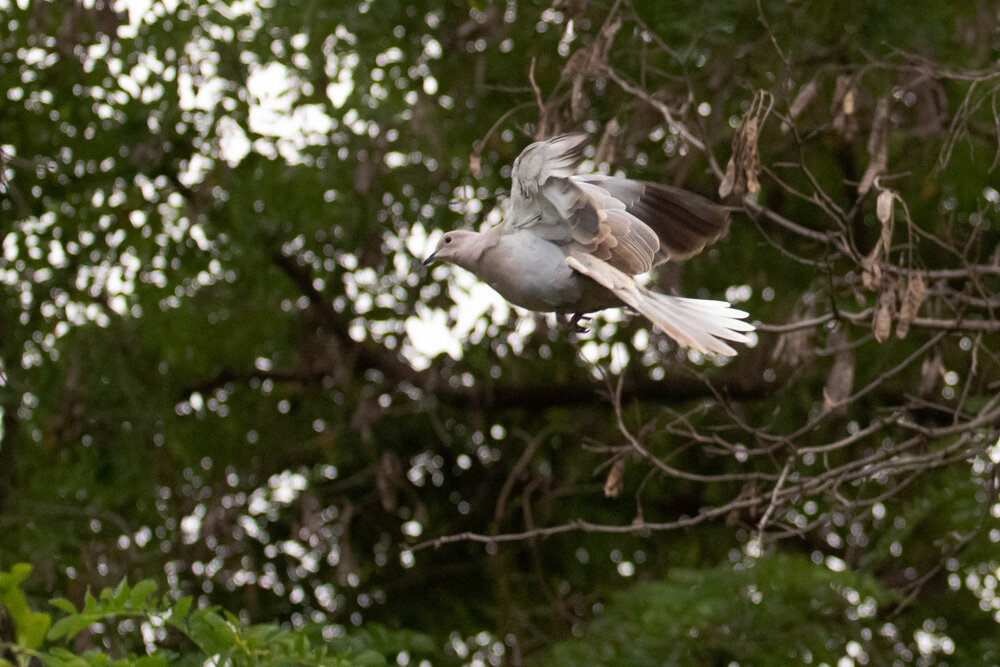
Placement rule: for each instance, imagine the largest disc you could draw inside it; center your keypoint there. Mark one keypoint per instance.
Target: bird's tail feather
(700, 324)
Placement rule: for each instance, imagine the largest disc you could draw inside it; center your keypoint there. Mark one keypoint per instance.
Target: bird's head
(455, 247)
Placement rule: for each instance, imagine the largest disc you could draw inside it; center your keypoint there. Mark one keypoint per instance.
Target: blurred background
(222, 367)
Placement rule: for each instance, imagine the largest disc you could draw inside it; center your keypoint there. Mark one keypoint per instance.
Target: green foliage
(728, 614)
(208, 633)
(31, 626)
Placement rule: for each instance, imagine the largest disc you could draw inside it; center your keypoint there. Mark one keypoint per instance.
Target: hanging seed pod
(912, 298)
(931, 371)
(840, 381)
(843, 107)
(802, 100)
(885, 206)
(615, 482)
(885, 237)
(878, 147)
(885, 307)
(743, 168)
(871, 269)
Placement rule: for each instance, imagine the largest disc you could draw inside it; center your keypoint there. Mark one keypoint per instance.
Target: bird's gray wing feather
(683, 221)
(560, 207)
(632, 225)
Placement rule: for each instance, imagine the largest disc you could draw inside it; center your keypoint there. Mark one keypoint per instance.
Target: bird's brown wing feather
(631, 225)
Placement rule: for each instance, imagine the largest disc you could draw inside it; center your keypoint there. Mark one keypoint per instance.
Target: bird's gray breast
(531, 272)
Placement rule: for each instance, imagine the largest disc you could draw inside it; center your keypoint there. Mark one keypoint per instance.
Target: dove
(573, 243)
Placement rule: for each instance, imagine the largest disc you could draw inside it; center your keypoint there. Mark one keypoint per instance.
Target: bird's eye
(447, 239)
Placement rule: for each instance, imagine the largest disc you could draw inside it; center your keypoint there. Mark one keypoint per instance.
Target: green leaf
(13, 578)
(60, 657)
(31, 626)
(120, 591)
(141, 591)
(69, 627)
(89, 602)
(31, 629)
(209, 631)
(369, 658)
(62, 604)
(180, 609)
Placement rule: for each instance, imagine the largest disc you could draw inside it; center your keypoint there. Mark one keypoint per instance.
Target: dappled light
(234, 398)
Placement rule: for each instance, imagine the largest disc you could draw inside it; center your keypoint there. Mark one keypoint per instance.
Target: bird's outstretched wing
(632, 225)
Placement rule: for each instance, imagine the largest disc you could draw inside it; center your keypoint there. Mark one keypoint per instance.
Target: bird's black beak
(430, 258)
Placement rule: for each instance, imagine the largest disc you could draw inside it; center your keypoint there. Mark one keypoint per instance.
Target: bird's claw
(573, 322)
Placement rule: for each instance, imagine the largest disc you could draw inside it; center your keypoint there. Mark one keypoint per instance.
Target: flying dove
(571, 244)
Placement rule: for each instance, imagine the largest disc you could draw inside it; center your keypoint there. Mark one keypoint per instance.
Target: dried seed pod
(878, 147)
(751, 157)
(885, 206)
(880, 126)
(840, 381)
(743, 168)
(885, 236)
(797, 346)
(615, 482)
(871, 268)
(794, 348)
(803, 99)
(885, 307)
(914, 295)
(728, 183)
(588, 63)
(843, 107)
(839, 92)
(849, 102)
(931, 371)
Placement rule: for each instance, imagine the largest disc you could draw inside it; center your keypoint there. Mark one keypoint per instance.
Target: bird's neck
(474, 246)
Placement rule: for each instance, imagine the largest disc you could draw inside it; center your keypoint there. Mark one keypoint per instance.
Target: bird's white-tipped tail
(700, 324)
